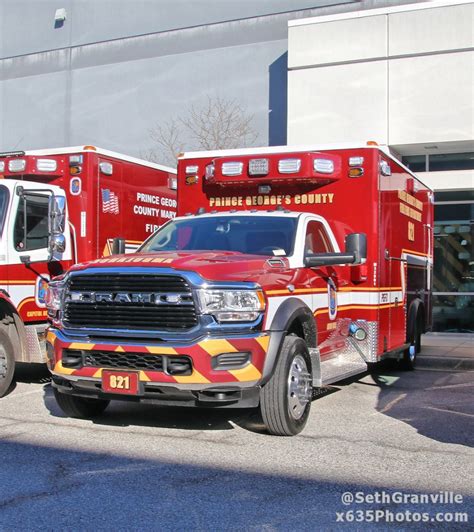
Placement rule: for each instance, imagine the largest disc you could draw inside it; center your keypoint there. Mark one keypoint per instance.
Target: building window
(416, 163)
(439, 162)
(453, 283)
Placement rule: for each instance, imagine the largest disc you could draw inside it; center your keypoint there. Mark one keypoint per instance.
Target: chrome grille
(173, 309)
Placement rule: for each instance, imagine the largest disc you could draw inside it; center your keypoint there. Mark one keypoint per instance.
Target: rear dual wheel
(408, 362)
(285, 400)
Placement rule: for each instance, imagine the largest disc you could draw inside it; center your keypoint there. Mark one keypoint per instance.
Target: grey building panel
(115, 105)
(133, 17)
(111, 92)
(35, 111)
(2, 31)
(36, 64)
(28, 25)
(225, 35)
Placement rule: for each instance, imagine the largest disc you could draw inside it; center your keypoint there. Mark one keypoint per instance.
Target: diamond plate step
(346, 363)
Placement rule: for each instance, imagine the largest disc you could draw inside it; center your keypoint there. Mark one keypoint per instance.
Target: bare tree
(166, 142)
(218, 124)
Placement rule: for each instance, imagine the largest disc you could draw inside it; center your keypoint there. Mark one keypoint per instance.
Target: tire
(284, 405)
(408, 362)
(7, 361)
(80, 407)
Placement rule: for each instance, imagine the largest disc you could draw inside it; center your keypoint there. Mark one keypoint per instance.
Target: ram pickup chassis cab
(287, 270)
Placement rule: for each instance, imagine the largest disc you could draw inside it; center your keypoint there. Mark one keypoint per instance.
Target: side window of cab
(31, 223)
(317, 239)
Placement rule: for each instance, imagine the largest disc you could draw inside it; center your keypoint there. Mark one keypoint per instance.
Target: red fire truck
(59, 207)
(287, 269)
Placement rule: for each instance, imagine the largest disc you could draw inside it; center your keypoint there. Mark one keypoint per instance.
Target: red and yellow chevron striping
(201, 354)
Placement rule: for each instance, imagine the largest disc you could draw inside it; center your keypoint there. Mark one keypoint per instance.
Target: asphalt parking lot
(142, 467)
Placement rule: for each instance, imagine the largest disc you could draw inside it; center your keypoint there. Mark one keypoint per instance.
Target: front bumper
(203, 382)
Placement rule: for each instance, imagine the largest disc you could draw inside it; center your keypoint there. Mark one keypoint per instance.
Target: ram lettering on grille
(133, 297)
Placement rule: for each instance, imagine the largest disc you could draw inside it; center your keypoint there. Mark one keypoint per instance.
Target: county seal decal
(332, 296)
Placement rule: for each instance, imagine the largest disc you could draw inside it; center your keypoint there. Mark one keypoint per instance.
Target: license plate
(124, 382)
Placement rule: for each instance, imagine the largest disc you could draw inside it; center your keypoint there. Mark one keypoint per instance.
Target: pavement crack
(384, 445)
(392, 403)
(20, 499)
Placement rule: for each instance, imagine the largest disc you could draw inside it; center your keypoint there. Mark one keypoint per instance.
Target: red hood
(211, 265)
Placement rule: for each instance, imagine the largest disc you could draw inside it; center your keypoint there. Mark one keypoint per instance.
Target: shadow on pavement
(126, 413)
(417, 398)
(54, 488)
(32, 373)
(29, 374)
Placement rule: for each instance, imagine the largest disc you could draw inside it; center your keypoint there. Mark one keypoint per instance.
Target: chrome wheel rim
(299, 387)
(3, 363)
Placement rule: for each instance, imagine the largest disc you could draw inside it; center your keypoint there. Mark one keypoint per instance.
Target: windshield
(257, 235)
(3, 206)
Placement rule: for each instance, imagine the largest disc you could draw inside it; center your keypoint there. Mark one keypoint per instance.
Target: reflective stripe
(161, 350)
(249, 373)
(196, 377)
(85, 347)
(216, 347)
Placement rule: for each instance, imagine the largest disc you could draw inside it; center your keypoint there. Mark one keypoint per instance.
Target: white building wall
(402, 76)
(431, 99)
(322, 109)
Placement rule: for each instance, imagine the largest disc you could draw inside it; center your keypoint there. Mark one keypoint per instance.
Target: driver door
(28, 239)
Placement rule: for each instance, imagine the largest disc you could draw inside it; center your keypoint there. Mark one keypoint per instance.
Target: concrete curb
(451, 363)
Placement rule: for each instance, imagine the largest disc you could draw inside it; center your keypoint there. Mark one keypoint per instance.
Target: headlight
(232, 305)
(54, 295)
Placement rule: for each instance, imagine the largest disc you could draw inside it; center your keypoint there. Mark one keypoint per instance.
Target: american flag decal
(110, 202)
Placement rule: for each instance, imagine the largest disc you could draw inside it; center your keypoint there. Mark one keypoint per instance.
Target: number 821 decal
(123, 382)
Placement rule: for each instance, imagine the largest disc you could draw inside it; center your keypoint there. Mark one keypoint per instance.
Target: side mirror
(57, 224)
(118, 246)
(57, 243)
(57, 214)
(355, 253)
(356, 243)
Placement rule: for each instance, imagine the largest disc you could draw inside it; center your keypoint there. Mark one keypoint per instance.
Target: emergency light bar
(258, 167)
(17, 165)
(232, 168)
(46, 165)
(323, 166)
(289, 166)
(106, 168)
(75, 160)
(312, 167)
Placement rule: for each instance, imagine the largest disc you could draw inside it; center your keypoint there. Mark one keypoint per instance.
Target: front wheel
(80, 407)
(285, 401)
(7, 362)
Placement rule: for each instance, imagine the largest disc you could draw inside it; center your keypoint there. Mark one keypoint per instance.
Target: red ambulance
(287, 269)
(59, 207)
